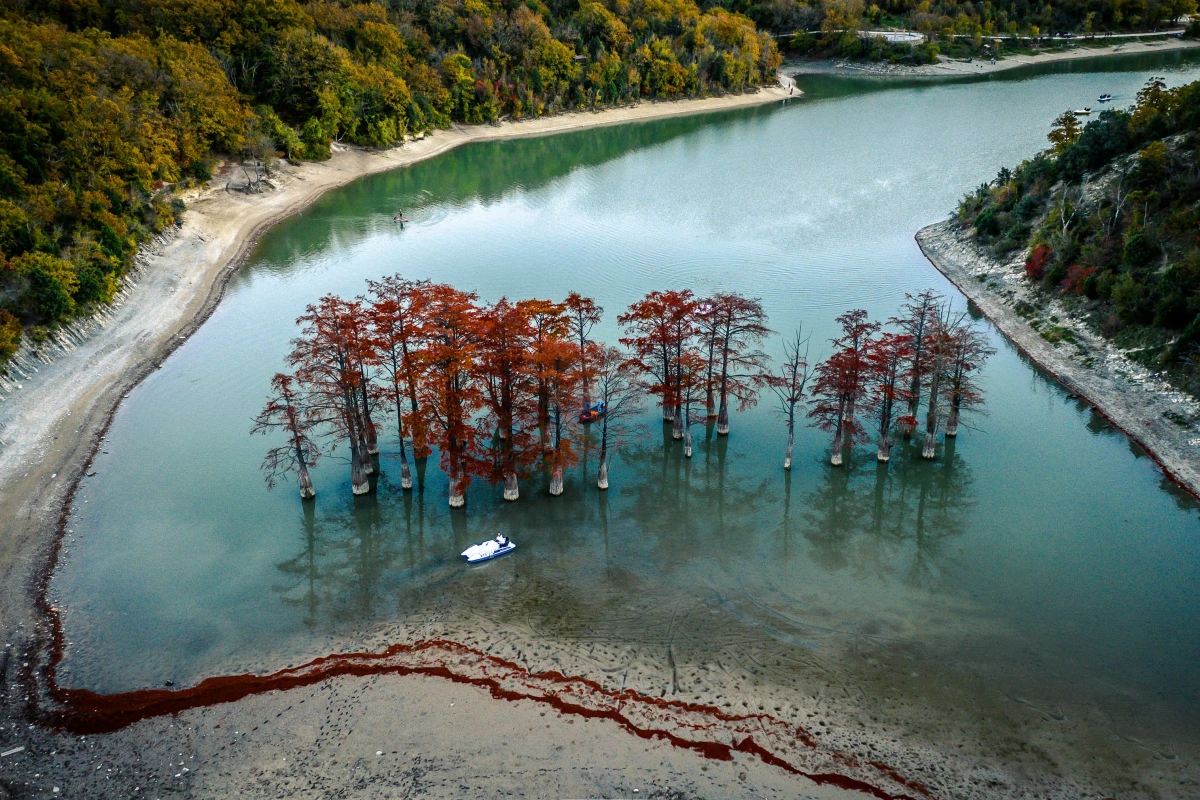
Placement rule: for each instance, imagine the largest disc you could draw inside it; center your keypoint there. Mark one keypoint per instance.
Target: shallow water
(1040, 548)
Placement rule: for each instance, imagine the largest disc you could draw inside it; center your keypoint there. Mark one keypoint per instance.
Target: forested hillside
(1110, 215)
(107, 105)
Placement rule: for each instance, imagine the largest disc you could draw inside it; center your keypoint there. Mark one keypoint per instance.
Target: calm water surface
(1040, 546)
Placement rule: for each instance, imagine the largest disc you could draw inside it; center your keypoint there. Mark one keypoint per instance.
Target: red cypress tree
(969, 349)
(327, 359)
(449, 393)
(583, 315)
(889, 356)
(285, 411)
(738, 364)
(398, 336)
(661, 327)
(841, 382)
(508, 376)
(916, 319)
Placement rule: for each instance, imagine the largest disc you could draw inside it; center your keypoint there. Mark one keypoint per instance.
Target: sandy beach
(1159, 418)
(949, 68)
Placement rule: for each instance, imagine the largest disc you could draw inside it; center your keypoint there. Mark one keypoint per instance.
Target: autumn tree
(450, 394)
(557, 359)
(660, 327)
(326, 358)
(969, 349)
(940, 362)
(916, 319)
(583, 315)
(285, 412)
(397, 335)
(788, 385)
(617, 387)
(888, 357)
(841, 382)
(739, 326)
(508, 376)
(549, 324)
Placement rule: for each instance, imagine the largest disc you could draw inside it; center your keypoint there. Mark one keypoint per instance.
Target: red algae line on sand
(683, 725)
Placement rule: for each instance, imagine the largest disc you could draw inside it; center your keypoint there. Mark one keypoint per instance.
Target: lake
(1040, 558)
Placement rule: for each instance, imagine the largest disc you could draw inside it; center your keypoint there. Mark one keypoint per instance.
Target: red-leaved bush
(1076, 275)
(1035, 266)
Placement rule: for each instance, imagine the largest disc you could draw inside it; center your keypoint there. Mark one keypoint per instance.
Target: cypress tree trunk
(687, 441)
(359, 484)
(512, 491)
(405, 473)
(602, 474)
(677, 424)
(367, 464)
(372, 438)
(457, 499)
(787, 459)
(835, 458)
(556, 481)
(929, 449)
(307, 492)
(723, 417)
(884, 451)
(952, 422)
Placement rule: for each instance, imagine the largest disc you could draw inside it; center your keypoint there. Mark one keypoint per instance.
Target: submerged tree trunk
(952, 421)
(556, 481)
(307, 492)
(687, 436)
(929, 448)
(883, 452)
(512, 490)
(364, 455)
(835, 457)
(372, 438)
(787, 459)
(456, 499)
(602, 473)
(359, 483)
(723, 417)
(677, 424)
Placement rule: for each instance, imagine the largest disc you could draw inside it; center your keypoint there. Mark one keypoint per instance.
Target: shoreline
(1128, 395)
(953, 68)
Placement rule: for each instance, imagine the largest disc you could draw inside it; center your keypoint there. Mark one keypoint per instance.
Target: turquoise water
(1041, 549)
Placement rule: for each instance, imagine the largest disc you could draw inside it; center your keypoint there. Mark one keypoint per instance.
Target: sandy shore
(955, 68)
(1159, 418)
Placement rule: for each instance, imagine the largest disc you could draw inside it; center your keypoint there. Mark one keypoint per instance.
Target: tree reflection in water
(669, 527)
(873, 517)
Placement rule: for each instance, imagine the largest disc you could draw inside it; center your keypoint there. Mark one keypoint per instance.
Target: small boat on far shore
(592, 413)
(1082, 112)
(1105, 98)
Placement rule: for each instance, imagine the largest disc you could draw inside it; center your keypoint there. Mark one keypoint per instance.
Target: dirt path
(953, 68)
(1159, 418)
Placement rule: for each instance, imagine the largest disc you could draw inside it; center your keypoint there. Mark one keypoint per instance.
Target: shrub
(986, 223)
(10, 335)
(1035, 265)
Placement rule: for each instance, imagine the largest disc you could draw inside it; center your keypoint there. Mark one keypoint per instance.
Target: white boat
(1082, 112)
(485, 551)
